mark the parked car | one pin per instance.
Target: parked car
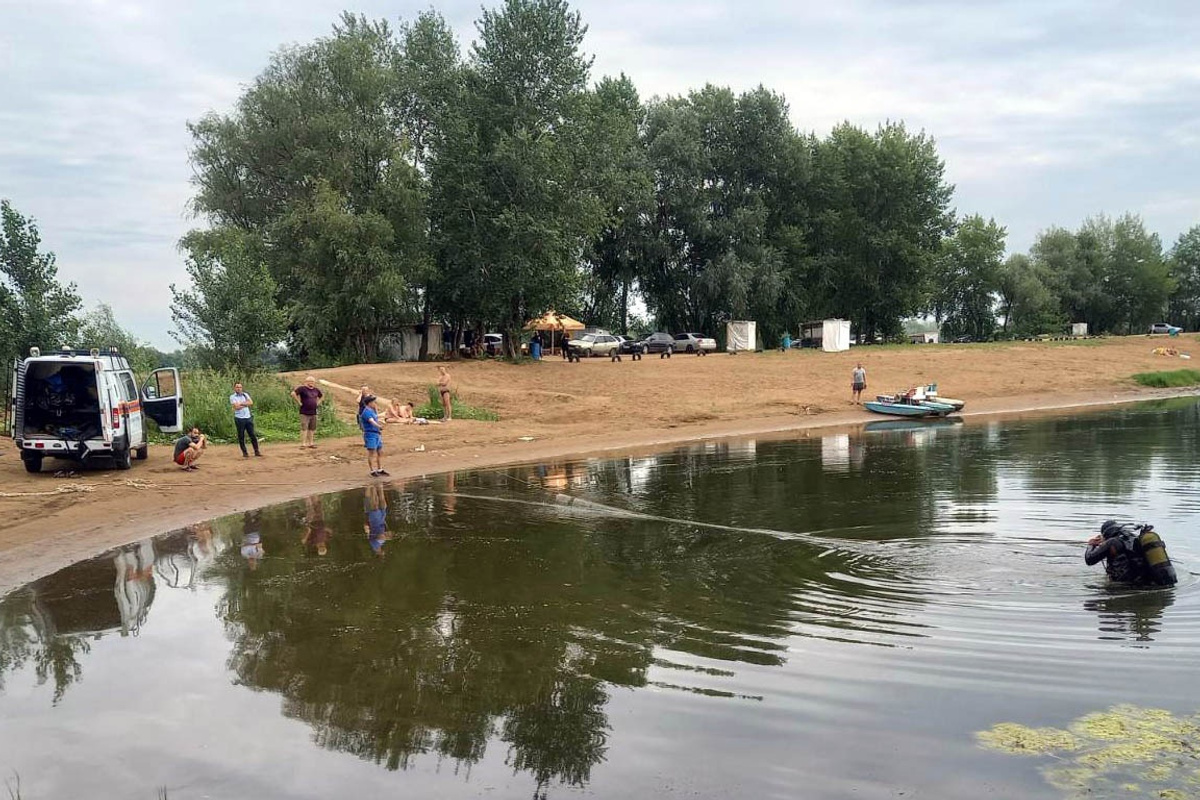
(629, 345)
(81, 405)
(694, 343)
(595, 344)
(1163, 327)
(659, 343)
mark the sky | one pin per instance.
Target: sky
(1045, 112)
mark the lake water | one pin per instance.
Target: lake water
(826, 617)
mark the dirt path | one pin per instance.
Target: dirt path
(549, 410)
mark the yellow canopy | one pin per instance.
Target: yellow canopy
(551, 321)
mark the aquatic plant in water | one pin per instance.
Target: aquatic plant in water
(1122, 752)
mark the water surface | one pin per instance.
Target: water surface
(823, 617)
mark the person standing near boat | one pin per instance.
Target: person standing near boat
(858, 382)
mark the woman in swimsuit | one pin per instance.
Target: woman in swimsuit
(444, 391)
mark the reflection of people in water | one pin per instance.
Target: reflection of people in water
(1132, 555)
(252, 548)
(316, 532)
(375, 504)
(1130, 615)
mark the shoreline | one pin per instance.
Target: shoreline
(25, 558)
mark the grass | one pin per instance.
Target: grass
(1172, 379)
(433, 409)
(276, 419)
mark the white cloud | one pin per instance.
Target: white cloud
(1044, 112)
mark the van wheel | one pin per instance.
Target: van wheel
(123, 458)
(141, 453)
(32, 463)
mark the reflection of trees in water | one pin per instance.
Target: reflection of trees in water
(505, 625)
(51, 623)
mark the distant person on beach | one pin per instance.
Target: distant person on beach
(858, 382)
(189, 448)
(404, 414)
(373, 437)
(243, 420)
(1132, 554)
(308, 396)
(444, 390)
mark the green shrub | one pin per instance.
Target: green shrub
(276, 419)
(433, 409)
(1169, 380)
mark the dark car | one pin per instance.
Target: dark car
(629, 346)
(659, 343)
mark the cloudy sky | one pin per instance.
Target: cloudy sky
(1046, 111)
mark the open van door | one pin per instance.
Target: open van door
(162, 399)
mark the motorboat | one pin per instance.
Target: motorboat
(931, 393)
(905, 406)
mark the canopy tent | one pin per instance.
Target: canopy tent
(559, 326)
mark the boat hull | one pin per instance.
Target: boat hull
(908, 410)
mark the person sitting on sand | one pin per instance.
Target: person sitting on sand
(396, 412)
(189, 447)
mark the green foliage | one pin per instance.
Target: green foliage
(317, 172)
(1108, 274)
(1184, 267)
(433, 408)
(228, 317)
(35, 309)
(1026, 303)
(276, 419)
(967, 278)
(99, 328)
(1170, 379)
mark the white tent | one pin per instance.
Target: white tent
(740, 335)
(835, 335)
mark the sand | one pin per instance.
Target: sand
(550, 411)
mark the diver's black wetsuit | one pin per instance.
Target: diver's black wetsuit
(1123, 564)
(1133, 555)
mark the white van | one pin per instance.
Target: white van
(85, 404)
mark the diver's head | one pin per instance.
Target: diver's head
(1110, 528)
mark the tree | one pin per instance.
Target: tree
(880, 211)
(35, 309)
(228, 317)
(1026, 304)
(511, 214)
(1138, 278)
(319, 165)
(1184, 267)
(967, 279)
(99, 328)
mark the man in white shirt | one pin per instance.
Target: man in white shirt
(243, 419)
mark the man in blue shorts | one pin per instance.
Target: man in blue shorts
(372, 436)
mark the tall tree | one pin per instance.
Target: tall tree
(511, 211)
(317, 164)
(1026, 304)
(1138, 278)
(35, 309)
(1184, 267)
(881, 209)
(99, 328)
(966, 279)
(228, 317)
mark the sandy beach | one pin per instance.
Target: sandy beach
(553, 410)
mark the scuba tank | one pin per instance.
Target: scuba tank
(1154, 553)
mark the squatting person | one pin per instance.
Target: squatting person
(189, 448)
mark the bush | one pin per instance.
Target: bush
(206, 404)
(1169, 380)
(433, 409)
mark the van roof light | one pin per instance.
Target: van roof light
(35, 351)
(95, 352)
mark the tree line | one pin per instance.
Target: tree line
(380, 177)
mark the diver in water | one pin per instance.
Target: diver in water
(1132, 554)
